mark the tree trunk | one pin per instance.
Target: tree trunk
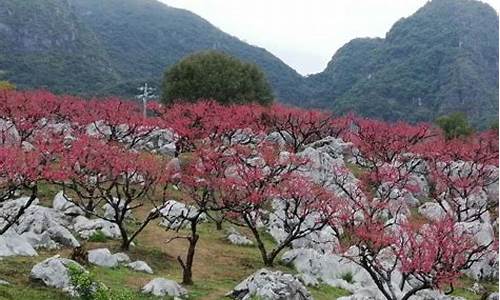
(125, 246)
(218, 225)
(187, 268)
(260, 245)
(89, 208)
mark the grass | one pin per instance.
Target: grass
(218, 265)
(47, 192)
(348, 277)
(324, 291)
(356, 170)
(98, 237)
(461, 289)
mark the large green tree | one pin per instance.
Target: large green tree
(455, 125)
(218, 76)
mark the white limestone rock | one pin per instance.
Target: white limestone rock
(122, 257)
(164, 287)
(174, 214)
(63, 204)
(39, 241)
(12, 244)
(140, 266)
(432, 211)
(53, 272)
(87, 227)
(102, 257)
(236, 238)
(269, 285)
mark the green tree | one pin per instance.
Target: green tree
(454, 125)
(6, 85)
(218, 76)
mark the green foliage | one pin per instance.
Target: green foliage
(88, 288)
(454, 125)
(348, 277)
(6, 85)
(98, 237)
(215, 75)
(324, 291)
(111, 47)
(494, 125)
(441, 59)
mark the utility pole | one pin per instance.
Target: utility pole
(146, 93)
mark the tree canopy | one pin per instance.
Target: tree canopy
(454, 125)
(218, 76)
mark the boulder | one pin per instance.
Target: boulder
(269, 285)
(38, 241)
(320, 166)
(280, 138)
(485, 268)
(109, 211)
(334, 147)
(63, 236)
(44, 227)
(421, 183)
(11, 207)
(63, 204)
(315, 267)
(174, 213)
(434, 295)
(3, 282)
(39, 219)
(53, 272)
(164, 287)
(493, 296)
(140, 266)
(477, 289)
(168, 149)
(87, 227)
(122, 257)
(12, 244)
(236, 238)
(102, 257)
(432, 211)
(322, 240)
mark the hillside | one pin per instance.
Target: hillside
(43, 44)
(443, 58)
(111, 47)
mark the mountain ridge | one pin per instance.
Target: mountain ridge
(449, 64)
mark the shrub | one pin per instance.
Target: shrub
(87, 288)
(347, 276)
(6, 85)
(98, 237)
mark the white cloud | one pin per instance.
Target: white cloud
(303, 33)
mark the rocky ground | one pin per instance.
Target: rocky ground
(220, 265)
(227, 263)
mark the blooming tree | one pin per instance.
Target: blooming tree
(106, 173)
(19, 170)
(267, 178)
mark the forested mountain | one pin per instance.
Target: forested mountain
(112, 46)
(43, 44)
(443, 58)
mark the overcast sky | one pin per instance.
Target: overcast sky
(303, 33)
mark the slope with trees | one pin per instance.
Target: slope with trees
(442, 59)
